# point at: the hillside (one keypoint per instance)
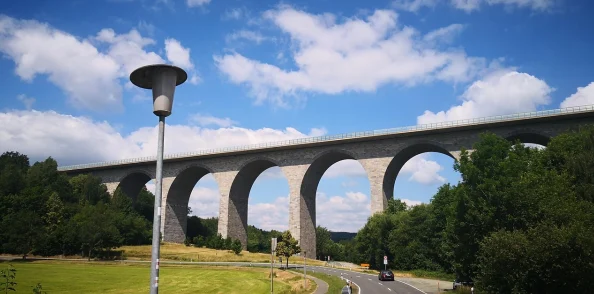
(339, 236)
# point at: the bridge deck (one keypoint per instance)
(322, 140)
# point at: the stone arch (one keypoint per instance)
(239, 195)
(405, 154)
(131, 183)
(308, 191)
(177, 200)
(528, 136)
(318, 167)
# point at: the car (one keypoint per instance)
(385, 275)
(457, 283)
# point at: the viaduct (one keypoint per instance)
(303, 162)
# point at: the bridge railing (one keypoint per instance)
(307, 140)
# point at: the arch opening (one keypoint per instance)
(404, 156)
(183, 189)
(132, 183)
(239, 198)
(343, 205)
(332, 206)
(268, 209)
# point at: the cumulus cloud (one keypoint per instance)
(270, 216)
(583, 96)
(74, 140)
(346, 213)
(89, 71)
(500, 92)
(422, 170)
(411, 203)
(357, 54)
(178, 55)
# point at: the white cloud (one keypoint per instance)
(247, 35)
(466, 5)
(209, 120)
(445, 34)
(27, 101)
(414, 5)
(74, 140)
(196, 3)
(333, 57)
(88, 71)
(583, 96)
(180, 56)
(501, 92)
(86, 75)
(346, 213)
(472, 5)
(127, 50)
(411, 203)
(540, 5)
(346, 168)
(270, 216)
(177, 54)
(422, 170)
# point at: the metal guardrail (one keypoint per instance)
(308, 140)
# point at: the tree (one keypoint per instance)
(96, 228)
(89, 189)
(287, 246)
(395, 206)
(236, 246)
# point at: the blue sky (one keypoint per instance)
(268, 71)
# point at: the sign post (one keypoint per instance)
(272, 250)
(385, 261)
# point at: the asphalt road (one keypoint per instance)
(369, 283)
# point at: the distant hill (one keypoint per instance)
(338, 236)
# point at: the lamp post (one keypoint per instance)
(162, 79)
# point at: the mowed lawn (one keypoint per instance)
(63, 277)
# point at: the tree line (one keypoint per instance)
(521, 220)
(44, 212)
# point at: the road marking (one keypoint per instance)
(380, 283)
(369, 279)
(358, 276)
(389, 289)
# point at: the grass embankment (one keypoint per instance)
(180, 252)
(89, 277)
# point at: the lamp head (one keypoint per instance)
(162, 79)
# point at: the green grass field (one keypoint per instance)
(62, 277)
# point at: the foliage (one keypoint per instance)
(520, 221)
(287, 246)
(7, 277)
(44, 212)
(236, 247)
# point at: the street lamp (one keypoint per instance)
(162, 79)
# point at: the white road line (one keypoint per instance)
(358, 276)
(369, 279)
(380, 283)
(389, 289)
